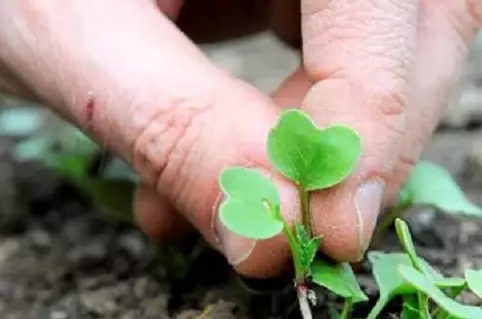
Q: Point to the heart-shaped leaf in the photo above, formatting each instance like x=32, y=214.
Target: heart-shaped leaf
x=474, y=281
x=424, y=285
x=339, y=278
x=430, y=184
x=252, y=204
x=314, y=159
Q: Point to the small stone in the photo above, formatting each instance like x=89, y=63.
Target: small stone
x=58, y=314
x=8, y=247
x=40, y=238
x=99, y=302
x=95, y=250
x=155, y=306
x=188, y=314
x=133, y=244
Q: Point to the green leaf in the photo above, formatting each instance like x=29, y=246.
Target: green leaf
x=339, y=278
x=474, y=281
x=392, y=284
x=424, y=285
x=307, y=247
x=313, y=158
x=252, y=204
x=405, y=238
x=410, y=307
x=430, y=184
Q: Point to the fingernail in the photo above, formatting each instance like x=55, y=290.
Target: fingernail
x=235, y=248
x=368, y=202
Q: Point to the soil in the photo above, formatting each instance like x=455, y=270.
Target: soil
x=60, y=258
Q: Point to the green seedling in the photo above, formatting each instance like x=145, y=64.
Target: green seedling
x=70, y=156
x=313, y=159
x=431, y=185
x=391, y=283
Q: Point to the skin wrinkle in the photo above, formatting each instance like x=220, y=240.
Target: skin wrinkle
x=341, y=29
x=159, y=138
x=183, y=179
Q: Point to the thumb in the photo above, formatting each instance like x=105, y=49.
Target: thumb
x=359, y=55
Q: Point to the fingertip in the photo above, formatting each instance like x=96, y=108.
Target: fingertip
x=346, y=215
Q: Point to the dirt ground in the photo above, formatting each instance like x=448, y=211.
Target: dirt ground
x=61, y=259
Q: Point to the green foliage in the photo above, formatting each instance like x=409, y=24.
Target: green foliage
x=307, y=247
x=311, y=157
x=338, y=278
x=391, y=283
x=420, y=282
x=315, y=159
x=70, y=155
x=430, y=184
x=410, y=307
x=252, y=204
x=406, y=240
x=474, y=281
x=385, y=268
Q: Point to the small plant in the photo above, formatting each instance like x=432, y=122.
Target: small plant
x=316, y=159
x=430, y=185
x=412, y=278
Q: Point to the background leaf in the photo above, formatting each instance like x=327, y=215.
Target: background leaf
x=313, y=158
x=252, y=204
x=405, y=238
x=339, y=278
x=430, y=184
x=392, y=284
x=474, y=281
x=423, y=284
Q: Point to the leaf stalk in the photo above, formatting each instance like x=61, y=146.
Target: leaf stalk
x=305, y=210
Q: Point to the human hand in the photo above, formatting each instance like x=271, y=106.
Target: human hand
x=383, y=67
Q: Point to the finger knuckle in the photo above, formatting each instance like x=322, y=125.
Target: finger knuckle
x=165, y=143
x=386, y=103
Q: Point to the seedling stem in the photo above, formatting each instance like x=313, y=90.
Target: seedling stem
x=299, y=273
x=305, y=209
x=347, y=306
